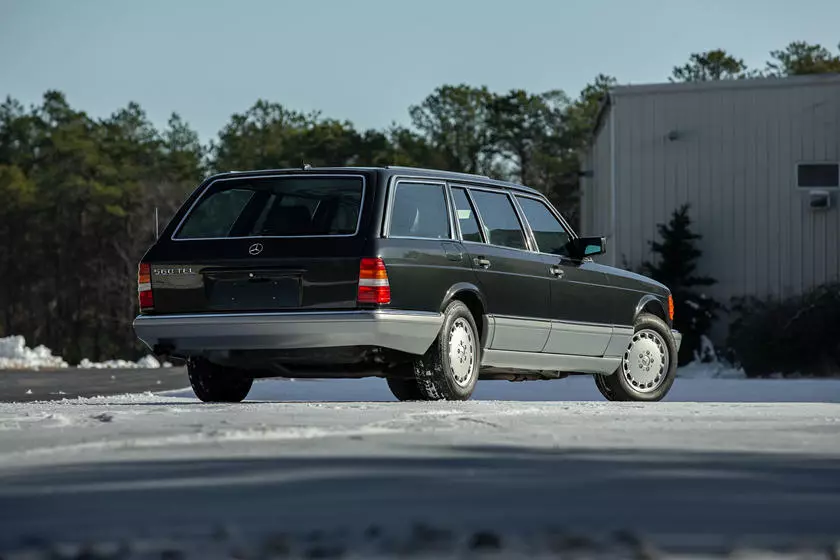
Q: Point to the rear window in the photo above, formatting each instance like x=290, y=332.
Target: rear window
x=276, y=207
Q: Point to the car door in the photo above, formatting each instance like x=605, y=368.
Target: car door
x=581, y=313
x=515, y=280
x=421, y=252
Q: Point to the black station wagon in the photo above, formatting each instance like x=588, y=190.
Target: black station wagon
x=430, y=279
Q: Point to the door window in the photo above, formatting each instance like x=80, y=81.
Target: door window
x=467, y=220
x=549, y=233
x=419, y=211
x=501, y=226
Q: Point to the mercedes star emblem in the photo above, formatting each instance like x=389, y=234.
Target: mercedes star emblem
x=255, y=249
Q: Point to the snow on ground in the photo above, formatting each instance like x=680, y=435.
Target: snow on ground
x=531, y=469
x=148, y=362
x=575, y=388
x=14, y=354
x=713, y=369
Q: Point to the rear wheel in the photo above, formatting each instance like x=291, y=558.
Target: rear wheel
x=213, y=383
x=648, y=366
x=449, y=369
x=405, y=389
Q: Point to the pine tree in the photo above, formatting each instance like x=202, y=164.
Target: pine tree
x=676, y=267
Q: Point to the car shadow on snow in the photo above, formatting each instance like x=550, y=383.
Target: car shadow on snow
x=679, y=500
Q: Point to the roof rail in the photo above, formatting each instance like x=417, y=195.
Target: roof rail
x=475, y=175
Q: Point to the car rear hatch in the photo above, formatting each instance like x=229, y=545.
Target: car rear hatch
x=258, y=244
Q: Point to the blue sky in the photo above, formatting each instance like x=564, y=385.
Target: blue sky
x=367, y=60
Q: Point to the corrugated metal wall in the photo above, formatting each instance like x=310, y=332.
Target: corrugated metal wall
x=595, y=190
x=731, y=154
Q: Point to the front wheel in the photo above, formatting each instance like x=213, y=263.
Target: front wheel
x=648, y=367
x=213, y=383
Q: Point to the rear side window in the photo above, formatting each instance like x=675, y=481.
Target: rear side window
x=467, y=219
x=419, y=211
x=276, y=207
x=501, y=225
x=549, y=233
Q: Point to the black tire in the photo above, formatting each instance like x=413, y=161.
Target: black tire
x=212, y=383
x=601, y=381
x=621, y=386
x=436, y=378
x=405, y=389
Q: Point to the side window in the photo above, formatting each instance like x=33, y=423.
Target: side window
x=467, y=219
x=419, y=211
x=501, y=225
x=216, y=214
x=549, y=233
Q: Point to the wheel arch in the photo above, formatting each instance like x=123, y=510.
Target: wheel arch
x=472, y=297
x=653, y=305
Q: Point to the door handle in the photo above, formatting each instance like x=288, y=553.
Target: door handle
x=482, y=262
x=557, y=271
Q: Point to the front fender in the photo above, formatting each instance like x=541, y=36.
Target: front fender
x=647, y=301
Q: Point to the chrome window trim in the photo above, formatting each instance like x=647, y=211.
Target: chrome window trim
x=559, y=217
x=529, y=233
x=273, y=176
x=473, y=207
x=553, y=211
x=528, y=248
x=392, y=191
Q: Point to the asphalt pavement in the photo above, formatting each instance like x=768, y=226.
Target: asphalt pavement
x=70, y=383
x=273, y=479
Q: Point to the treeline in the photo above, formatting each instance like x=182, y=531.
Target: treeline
x=78, y=194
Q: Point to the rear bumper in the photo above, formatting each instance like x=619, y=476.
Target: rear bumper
x=677, y=338
x=406, y=331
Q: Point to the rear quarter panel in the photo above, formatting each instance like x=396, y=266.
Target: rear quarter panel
x=422, y=271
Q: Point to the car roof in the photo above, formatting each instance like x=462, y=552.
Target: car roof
x=390, y=170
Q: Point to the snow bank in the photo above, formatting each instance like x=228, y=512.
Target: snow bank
x=707, y=365
x=149, y=362
x=710, y=370
x=14, y=354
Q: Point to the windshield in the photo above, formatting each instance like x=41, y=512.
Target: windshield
x=276, y=207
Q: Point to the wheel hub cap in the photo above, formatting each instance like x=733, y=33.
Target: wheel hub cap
x=645, y=361
x=461, y=351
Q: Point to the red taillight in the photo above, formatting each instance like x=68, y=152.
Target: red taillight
x=144, y=287
x=373, y=282
x=671, y=307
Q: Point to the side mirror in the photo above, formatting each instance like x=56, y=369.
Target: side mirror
x=587, y=246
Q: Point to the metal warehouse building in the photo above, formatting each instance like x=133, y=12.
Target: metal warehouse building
x=756, y=159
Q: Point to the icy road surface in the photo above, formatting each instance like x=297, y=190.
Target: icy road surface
x=552, y=463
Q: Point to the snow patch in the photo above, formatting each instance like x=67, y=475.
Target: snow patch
x=148, y=362
x=14, y=354
x=707, y=365
x=710, y=370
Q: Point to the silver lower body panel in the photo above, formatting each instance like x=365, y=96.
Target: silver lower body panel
x=405, y=331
